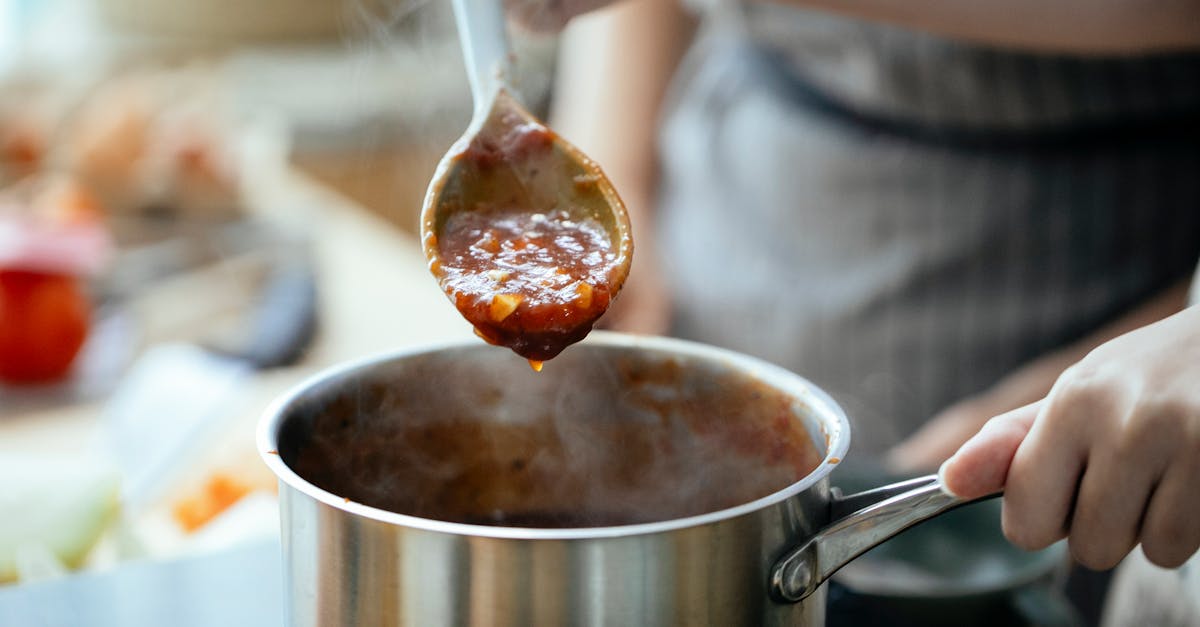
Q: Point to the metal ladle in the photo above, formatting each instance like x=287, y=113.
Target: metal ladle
x=564, y=179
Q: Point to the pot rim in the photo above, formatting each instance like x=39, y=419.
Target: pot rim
x=832, y=418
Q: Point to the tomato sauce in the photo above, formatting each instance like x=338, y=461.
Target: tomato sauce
x=599, y=440
x=534, y=282
x=521, y=252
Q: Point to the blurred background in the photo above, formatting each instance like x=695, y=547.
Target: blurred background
x=200, y=205
x=204, y=203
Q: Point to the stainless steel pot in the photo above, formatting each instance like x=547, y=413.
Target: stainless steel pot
x=701, y=477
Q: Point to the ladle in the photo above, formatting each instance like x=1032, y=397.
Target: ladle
x=528, y=290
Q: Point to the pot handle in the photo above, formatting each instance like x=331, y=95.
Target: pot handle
x=860, y=522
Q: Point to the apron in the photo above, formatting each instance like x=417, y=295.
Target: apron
x=904, y=220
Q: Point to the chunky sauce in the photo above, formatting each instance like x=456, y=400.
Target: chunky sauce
x=529, y=271
x=532, y=282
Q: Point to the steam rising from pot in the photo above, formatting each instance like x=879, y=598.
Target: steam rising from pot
x=605, y=437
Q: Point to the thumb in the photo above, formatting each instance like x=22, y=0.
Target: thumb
x=980, y=466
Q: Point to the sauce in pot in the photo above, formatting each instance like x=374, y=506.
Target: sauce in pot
x=592, y=442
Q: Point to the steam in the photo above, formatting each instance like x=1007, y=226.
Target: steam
x=381, y=20
x=603, y=436
x=414, y=41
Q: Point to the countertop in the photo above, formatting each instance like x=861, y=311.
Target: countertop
x=374, y=292
x=374, y=295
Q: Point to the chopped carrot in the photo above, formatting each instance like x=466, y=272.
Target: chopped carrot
x=219, y=493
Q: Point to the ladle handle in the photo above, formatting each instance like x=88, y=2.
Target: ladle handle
x=484, y=40
x=860, y=522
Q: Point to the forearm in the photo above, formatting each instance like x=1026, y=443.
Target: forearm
x=1036, y=378
x=943, y=434
x=1074, y=26
x=613, y=77
x=613, y=73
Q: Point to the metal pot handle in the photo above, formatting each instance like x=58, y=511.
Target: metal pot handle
x=860, y=522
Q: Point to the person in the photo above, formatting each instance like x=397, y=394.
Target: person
x=929, y=209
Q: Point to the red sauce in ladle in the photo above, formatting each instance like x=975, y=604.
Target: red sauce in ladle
x=525, y=242
x=534, y=282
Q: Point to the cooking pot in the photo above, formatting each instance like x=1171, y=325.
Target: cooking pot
x=635, y=481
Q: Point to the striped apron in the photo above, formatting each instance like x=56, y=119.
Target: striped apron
x=903, y=219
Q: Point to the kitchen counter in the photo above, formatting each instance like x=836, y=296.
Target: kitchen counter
x=374, y=294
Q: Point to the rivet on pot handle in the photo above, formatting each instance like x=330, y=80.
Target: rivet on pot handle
x=860, y=522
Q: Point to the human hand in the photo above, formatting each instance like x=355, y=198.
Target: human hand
x=1109, y=459
x=549, y=15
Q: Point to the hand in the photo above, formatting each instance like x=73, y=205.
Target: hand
x=549, y=15
x=1109, y=459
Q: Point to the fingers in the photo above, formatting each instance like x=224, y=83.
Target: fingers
x=1170, y=532
x=1112, y=456
x=1044, y=474
x=1108, y=509
x=1107, y=463
x=981, y=465
x=1134, y=443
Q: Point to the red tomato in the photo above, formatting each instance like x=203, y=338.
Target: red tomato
x=43, y=322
